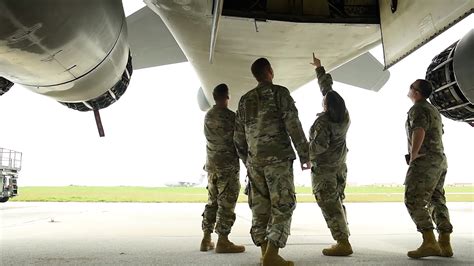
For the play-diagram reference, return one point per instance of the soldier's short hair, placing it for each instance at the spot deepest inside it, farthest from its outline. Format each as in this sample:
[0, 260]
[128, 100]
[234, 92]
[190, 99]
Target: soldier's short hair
[220, 92]
[259, 68]
[424, 87]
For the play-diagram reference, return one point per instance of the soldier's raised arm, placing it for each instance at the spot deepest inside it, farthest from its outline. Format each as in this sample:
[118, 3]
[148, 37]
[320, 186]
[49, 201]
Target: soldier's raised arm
[324, 79]
[240, 141]
[293, 127]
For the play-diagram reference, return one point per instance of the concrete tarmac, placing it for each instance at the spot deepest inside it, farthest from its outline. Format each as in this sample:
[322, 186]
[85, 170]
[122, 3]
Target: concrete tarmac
[170, 234]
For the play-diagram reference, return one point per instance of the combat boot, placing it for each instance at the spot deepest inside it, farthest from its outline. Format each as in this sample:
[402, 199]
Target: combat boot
[225, 246]
[342, 248]
[429, 247]
[271, 257]
[445, 245]
[206, 243]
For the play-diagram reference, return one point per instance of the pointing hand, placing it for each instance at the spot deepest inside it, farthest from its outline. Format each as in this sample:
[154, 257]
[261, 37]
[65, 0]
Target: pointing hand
[316, 62]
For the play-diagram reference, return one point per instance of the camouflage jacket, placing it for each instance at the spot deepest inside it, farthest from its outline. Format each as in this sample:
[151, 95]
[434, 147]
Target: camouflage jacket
[424, 115]
[327, 141]
[266, 120]
[219, 131]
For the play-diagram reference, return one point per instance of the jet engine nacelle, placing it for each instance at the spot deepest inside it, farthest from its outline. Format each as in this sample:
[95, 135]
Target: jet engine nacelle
[452, 75]
[75, 51]
[5, 85]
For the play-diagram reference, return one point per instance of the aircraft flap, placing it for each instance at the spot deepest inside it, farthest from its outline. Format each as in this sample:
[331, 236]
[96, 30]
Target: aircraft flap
[406, 25]
[365, 72]
[150, 41]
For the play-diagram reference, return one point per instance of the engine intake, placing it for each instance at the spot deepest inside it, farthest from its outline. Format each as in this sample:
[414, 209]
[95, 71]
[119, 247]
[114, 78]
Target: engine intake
[453, 80]
[5, 85]
[109, 97]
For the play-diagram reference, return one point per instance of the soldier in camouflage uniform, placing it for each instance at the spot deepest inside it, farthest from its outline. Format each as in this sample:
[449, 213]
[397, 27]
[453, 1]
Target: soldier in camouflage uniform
[223, 174]
[266, 124]
[424, 193]
[327, 150]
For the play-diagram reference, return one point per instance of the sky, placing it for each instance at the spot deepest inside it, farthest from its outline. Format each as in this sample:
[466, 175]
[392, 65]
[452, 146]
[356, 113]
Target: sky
[154, 133]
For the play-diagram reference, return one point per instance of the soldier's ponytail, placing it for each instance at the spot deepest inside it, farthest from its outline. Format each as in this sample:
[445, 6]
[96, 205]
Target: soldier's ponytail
[335, 107]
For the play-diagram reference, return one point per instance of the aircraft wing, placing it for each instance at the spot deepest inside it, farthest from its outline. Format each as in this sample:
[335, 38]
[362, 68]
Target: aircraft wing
[152, 44]
[365, 72]
[150, 41]
[407, 25]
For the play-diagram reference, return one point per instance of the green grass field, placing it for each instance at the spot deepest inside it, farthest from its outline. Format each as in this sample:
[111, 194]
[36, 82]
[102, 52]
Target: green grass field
[191, 194]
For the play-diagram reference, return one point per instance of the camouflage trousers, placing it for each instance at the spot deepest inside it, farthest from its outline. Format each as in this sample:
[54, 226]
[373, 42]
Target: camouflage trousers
[424, 194]
[223, 191]
[328, 189]
[272, 200]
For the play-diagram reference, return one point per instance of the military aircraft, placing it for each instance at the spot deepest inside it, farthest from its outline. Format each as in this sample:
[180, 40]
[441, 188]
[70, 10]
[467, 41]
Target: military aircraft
[200, 182]
[83, 53]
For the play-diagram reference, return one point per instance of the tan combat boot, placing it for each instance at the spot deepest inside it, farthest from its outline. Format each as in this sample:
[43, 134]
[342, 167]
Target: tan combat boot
[342, 248]
[445, 245]
[429, 247]
[206, 243]
[225, 246]
[271, 257]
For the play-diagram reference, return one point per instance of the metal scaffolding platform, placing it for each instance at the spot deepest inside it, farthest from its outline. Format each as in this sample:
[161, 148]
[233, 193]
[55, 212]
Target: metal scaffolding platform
[10, 165]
